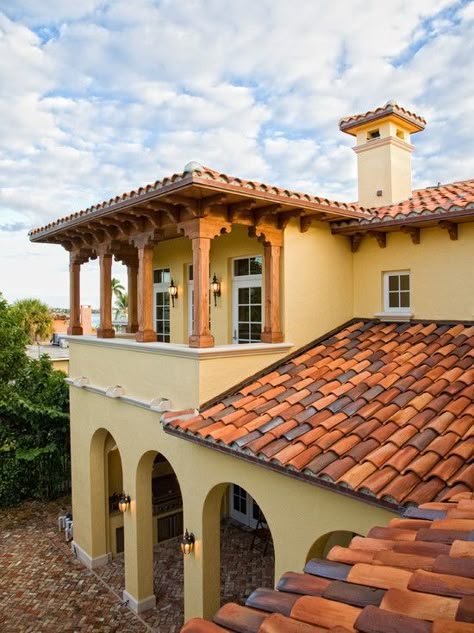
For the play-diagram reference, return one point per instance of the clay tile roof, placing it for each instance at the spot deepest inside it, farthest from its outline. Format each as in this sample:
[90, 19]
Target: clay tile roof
[347, 124]
[401, 436]
[424, 204]
[375, 585]
[194, 173]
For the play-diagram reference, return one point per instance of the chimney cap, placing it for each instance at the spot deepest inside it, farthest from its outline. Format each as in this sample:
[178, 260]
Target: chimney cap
[351, 124]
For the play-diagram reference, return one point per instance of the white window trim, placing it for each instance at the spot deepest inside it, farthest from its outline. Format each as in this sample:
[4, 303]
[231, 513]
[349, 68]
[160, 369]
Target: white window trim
[394, 314]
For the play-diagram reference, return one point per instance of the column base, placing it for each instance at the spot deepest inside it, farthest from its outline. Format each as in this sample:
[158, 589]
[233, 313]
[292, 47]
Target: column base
[146, 336]
[139, 606]
[201, 340]
[272, 337]
[75, 330]
[89, 562]
[105, 332]
[132, 329]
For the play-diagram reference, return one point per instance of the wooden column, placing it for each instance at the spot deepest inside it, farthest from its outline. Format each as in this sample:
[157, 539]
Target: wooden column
[75, 326]
[132, 273]
[201, 336]
[105, 329]
[272, 238]
[272, 329]
[145, 332]
[201, 231]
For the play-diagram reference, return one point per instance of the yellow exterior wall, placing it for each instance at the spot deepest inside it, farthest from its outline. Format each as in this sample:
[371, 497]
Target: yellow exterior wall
[317, 282]
[145, 373]
[441, 273]
[297, 513]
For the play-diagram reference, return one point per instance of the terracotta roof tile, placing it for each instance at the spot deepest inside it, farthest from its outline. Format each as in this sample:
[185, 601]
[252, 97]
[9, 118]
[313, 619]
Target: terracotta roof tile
[394, 396]
[376, 585]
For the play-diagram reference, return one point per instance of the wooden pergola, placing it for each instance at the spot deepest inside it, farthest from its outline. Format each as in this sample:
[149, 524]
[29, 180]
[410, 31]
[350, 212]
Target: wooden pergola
[199, 204]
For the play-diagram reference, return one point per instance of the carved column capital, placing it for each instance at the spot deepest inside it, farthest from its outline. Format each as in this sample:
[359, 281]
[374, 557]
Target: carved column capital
[204, 228]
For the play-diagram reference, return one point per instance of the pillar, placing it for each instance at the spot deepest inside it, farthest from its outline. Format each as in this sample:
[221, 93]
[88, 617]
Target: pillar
[201, 336]
[105, 329]
[132, 274]
[272, 329]
[138, 532]
[201, 231]
[145, 332]
[74, 295]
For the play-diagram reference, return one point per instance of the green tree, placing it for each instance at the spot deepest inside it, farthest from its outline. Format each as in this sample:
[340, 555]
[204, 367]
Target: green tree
[34, 418]
[117, 287]
[13, 340]
[121, 306]
[34, 317]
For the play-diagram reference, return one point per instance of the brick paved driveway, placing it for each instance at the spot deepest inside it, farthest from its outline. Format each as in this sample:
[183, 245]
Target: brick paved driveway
[43, 588]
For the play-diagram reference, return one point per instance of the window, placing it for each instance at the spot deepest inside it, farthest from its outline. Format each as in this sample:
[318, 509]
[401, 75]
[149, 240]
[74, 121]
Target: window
[373, 134]
[161, 282]
[247, 299]
[397, 291]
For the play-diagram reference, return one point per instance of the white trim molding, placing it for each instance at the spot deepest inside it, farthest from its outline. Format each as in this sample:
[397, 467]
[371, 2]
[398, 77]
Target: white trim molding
[139, 606]
[89, 562]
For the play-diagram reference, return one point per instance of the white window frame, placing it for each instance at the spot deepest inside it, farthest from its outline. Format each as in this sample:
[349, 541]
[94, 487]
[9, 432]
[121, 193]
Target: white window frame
[244, 281]
[406, 311]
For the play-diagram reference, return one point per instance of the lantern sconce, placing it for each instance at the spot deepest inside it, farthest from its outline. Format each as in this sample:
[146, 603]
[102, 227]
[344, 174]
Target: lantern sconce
[187, 543]
[173, 291]
[124, 502]
[216, 288]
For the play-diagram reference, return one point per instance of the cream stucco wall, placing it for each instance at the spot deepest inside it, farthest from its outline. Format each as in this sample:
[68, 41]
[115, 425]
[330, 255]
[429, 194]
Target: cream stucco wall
[317, 282]
[441, 273]
[187, 378]
[298, 513]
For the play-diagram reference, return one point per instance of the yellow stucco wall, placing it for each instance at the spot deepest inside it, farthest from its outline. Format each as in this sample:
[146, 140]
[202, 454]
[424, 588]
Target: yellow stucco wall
[150, 372]
[298, 513]
[441, 273]
[317, 282]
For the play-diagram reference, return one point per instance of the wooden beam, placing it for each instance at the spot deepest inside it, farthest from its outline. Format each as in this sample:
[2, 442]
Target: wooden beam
[355, 241]
[413, 232]
[451, 227]
[380, 237]
[305, 223]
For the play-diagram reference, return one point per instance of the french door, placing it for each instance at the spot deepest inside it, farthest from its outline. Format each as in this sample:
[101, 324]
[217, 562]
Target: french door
[243, 508]
[247, 300]
[161, 300]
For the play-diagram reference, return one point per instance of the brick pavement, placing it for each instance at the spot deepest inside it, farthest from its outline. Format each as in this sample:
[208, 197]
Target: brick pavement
[44, 589]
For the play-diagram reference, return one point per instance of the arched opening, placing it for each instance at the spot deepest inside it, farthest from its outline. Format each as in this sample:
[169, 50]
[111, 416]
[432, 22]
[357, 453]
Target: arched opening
[105, 471]
[167, 518]
[323, 545]
[239, 542]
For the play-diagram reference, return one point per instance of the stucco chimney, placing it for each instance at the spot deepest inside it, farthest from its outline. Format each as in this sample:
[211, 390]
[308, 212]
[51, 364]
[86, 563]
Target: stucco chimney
[383, 151]
[86, 319]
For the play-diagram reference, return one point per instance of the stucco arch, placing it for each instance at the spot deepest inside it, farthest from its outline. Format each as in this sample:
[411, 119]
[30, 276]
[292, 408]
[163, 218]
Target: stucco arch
[324, 543]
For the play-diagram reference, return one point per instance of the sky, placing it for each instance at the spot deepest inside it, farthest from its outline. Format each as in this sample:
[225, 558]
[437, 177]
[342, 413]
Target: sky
[98, 98]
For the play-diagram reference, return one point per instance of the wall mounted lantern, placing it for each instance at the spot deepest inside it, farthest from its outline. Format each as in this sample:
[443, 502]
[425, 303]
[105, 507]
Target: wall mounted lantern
[124, 502]
[173, 291]
[216, 288]
[187, 543]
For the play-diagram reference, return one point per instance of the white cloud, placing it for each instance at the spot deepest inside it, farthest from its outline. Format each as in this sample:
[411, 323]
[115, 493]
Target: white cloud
[99, 97]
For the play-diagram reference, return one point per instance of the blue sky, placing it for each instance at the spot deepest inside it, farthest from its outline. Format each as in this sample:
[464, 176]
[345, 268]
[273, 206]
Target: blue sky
[102, 97]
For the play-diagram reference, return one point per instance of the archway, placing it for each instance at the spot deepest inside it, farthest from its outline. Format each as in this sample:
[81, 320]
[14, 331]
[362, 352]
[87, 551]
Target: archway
[323, 545]
[159, 528]
[93, 528]
[239, 544]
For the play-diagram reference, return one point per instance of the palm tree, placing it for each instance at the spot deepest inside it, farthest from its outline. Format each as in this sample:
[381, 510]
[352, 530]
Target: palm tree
[117, 287]
[121, 305]
[35, 318]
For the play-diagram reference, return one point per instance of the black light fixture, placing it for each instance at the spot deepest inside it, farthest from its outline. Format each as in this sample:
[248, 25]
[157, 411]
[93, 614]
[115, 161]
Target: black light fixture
[187, 543]
[173, 291]
[216, 288]
[124, 502]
